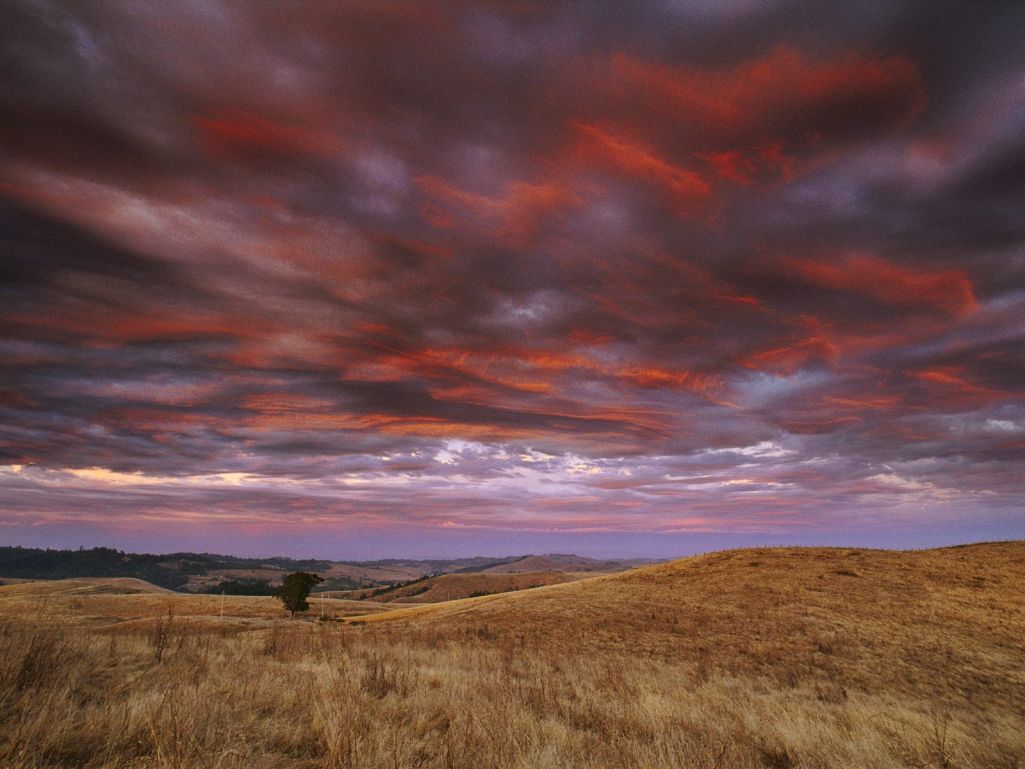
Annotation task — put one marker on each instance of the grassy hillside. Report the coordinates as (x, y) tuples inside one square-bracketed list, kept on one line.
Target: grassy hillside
[(749, 658), (449, 587), (871, 619)]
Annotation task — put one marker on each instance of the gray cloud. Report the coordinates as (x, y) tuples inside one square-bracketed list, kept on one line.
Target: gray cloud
[(694, 269)]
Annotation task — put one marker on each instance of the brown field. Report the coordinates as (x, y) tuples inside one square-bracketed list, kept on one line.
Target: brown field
[(541, 563), (449, 587), (114, 604), (751, 658), (371, 574)]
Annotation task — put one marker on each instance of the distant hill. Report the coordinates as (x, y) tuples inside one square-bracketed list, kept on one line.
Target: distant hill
[(449, 587), (563, 563), (208, 572), (173, 571), (530, 563)]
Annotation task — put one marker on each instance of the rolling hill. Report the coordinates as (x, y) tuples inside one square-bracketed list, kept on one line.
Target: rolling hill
[(525, 565), (748, 659), (207, 572), (562, 563), (448, 587), (870, 619)]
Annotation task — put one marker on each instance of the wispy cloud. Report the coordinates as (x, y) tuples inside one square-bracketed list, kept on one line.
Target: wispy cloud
[(526, 271)]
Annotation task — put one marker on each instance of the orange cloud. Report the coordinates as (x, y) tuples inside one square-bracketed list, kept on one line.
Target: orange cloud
[(863, 401), (948, 384), (817, 345), (749, 300), (946, 290), (518, 213), (747, 124), (731, 165), (635, 159), (659, 378), (482, 375), (755, 99)]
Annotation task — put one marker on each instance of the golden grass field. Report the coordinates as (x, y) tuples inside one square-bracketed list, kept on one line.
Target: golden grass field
[(748, 658), (448, 587)]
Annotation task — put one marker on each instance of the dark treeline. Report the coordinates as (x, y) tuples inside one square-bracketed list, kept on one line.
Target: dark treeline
[(171, 571)]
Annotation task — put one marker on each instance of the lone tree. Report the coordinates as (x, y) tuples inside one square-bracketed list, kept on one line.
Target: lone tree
[(294, 590)]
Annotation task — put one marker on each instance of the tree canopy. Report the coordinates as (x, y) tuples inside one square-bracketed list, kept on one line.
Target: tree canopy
[(294, 590)]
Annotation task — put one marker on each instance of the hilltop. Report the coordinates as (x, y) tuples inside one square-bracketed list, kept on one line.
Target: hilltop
[(872, 618)]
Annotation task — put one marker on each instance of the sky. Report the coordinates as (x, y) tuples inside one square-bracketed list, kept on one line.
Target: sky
[(371, 278)]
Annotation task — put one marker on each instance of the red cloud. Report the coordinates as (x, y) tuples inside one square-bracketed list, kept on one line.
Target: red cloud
[(789, 358), (497, 374), (748, 124), (115, 327), (815, 343), (651, 377), (947, 384), (731, 165), (518, 213), (892, 284), (862, 401), (637, 160), (232, 132), (782, 91)]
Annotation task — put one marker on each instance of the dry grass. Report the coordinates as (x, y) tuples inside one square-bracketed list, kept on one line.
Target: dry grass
[(100, 602), (450, 587), (767, 658)]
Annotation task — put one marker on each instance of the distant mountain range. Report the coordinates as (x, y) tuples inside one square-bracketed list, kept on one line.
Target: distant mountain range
[(207, 572)]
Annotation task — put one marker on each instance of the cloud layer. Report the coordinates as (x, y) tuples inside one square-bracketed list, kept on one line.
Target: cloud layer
[(389, 276)]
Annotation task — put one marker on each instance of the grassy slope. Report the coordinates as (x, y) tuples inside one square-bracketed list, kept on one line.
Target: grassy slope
[(448, 587), (743, 659), (869, 618)]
